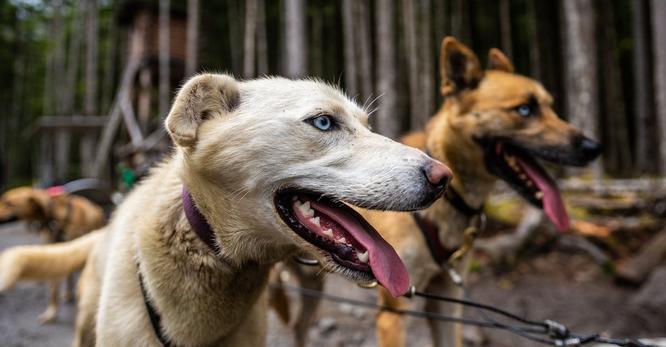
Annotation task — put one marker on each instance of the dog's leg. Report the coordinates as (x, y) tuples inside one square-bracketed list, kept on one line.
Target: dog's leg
[(308, 278), (445, 334), (87, 293), (52, 309), (391, 328), (69, 289)]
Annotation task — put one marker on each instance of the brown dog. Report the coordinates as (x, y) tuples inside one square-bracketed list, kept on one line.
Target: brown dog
[(493, 124), (59, 218)]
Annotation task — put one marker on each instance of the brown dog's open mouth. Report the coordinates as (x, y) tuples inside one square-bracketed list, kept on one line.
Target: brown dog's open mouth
[(343, 235), (518, 168)]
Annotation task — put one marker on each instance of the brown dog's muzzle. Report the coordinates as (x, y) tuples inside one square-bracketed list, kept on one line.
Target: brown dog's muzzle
[(585, 150)]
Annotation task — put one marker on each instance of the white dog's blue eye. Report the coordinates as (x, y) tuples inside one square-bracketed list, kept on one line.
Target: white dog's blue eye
[(524, 110), (323, 122)]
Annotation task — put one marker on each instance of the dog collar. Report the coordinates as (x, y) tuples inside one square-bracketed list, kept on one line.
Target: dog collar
[(458, 202), (430, 232), (198, 222)]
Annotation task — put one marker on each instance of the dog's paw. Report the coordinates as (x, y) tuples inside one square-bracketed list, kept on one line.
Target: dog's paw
[(49, 315)]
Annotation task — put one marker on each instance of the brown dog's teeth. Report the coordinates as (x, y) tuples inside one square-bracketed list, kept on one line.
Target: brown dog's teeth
[(538, 195), (522, 177)]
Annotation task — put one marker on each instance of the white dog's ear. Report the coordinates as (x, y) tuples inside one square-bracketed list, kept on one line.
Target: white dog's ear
[(203, 97)]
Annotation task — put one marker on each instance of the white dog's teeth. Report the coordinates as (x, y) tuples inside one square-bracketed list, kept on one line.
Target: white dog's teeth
[(538, 195), (328, 232), (293, 198), (305, 209), (362, 257), (342, 240), (315, 221)]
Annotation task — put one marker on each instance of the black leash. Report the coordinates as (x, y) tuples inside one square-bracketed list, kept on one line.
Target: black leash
[(548, 332)]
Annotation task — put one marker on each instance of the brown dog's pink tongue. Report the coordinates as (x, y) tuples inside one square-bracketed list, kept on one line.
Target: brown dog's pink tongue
[(552, 201), (385, 263)]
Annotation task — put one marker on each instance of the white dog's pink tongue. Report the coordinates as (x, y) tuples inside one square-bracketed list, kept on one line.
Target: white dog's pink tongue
[(385, 263), (552, 200)]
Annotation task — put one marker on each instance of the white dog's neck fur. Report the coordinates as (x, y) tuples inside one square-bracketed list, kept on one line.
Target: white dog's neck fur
[(220, 283)]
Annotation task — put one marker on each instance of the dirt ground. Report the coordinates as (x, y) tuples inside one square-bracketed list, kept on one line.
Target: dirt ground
[(564, 287)]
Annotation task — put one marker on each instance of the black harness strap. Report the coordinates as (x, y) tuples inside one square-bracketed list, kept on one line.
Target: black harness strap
[(155, 319), (456, 200), (203, 230), (431, 234)]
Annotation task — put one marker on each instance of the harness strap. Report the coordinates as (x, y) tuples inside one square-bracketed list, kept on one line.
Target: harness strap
[(430, 232), (155, 318), (203, 230), (458, 202)]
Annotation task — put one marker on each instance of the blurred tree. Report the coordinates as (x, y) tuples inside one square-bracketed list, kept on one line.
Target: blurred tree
[(295, 42), (659, 57), (249, 42), (262, 44), (645, 143), (582, 108), (350, 73), (426, 56), (192, 49), (90, 104), (387, 121), (505, 27), (613, 112), (164, 58)]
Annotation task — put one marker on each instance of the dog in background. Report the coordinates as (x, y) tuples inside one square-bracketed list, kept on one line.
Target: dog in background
[(58, 217), (494, 124)]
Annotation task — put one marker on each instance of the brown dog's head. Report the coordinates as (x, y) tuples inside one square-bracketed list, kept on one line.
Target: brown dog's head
[(506, 120), (23, 203)]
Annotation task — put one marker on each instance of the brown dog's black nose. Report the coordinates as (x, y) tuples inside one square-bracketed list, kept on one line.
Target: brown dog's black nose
[(438, 174), (588, 148)]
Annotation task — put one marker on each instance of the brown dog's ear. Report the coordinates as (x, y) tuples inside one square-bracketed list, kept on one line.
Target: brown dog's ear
[(459, 67), (39, 204), (498, 61), (203, 97)]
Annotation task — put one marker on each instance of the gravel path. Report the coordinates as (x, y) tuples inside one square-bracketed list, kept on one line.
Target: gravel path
[(567, 288)]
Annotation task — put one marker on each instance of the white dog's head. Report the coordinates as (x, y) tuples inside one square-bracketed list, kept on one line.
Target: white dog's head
[(287, 154)]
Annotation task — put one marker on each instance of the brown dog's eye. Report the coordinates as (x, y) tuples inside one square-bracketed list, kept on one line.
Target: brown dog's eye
[(524, 110)]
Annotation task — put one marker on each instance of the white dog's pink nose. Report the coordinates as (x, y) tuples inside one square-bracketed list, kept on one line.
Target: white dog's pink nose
[(438, 174)]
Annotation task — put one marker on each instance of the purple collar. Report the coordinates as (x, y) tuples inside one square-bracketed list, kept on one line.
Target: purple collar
[(198, 222)]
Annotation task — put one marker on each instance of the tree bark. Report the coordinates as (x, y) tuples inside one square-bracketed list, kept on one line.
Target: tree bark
[(643, 92), (659, 59), (534, 49), (249, 42), (618, 158), (109, 68), (387, 121), (90, 105), (460, 21), (262, 44), (505, 28), (296, 64), (164, 57), (364, 53), (192, 48), (235, 31), (582, 96), (349, 34), (409, 20), (426, 62)]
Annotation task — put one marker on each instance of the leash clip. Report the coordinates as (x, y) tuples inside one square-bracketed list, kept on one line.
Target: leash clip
[(558, 330)]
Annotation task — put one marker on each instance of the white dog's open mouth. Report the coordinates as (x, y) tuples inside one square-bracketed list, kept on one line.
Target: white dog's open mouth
[(349, 240)]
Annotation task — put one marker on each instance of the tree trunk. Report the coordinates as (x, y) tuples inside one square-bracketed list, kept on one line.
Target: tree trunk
[(409, 20), (505, 28), (581, 69), (249, 42), (192, 48), (426, 54), (235, 31), (349, 34), (164, 57), (90, 106), (109, 68), (364, 52), (533, 30), (461, 23), (296, 64), (387, 122), (262, 44), (441, 20), (646, 146), (618, 158), (659, 59)]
